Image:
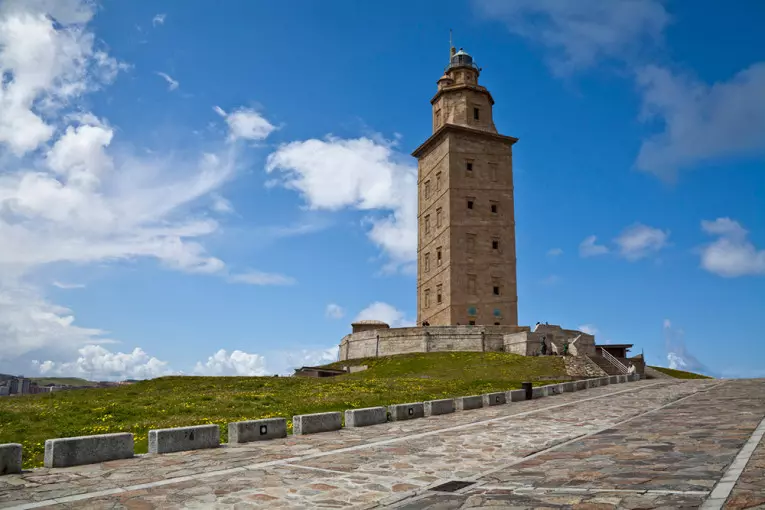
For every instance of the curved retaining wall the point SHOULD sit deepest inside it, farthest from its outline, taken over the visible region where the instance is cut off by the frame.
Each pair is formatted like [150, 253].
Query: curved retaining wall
[391, 341]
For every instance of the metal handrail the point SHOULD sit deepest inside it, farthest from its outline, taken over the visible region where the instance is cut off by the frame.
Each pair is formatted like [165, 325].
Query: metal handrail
[615, 362]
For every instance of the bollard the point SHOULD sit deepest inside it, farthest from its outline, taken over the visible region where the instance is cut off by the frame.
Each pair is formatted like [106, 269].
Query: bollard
[527, 388]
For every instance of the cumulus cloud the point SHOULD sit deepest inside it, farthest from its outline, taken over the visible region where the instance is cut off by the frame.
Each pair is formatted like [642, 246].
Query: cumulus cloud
[334, 311]
[589, 329]
[171, 83]
[236, 363]
[589, 248]
[261, 278]
[246, 124]
[581, 33]
[639, 241]
[362, 174]
[158, 19]
[99, 364]
[385, 312]
[731, 254]
[700, 122]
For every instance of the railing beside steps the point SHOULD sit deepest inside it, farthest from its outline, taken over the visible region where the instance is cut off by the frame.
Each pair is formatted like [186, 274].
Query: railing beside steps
[615, 362]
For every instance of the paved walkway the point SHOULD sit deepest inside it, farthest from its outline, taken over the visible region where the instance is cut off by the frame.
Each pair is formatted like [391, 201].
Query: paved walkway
[651, 444]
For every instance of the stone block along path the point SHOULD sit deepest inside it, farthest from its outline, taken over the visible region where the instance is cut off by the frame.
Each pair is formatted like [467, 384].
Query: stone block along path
[650, 444]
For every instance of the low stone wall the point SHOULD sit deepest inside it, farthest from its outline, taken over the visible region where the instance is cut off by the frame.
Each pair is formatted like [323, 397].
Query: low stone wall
[317, 422]
[208, 436]
[76, 451]
[392, 341]
[365, 417]
[10, 458]
[184, 438]
[256, 430]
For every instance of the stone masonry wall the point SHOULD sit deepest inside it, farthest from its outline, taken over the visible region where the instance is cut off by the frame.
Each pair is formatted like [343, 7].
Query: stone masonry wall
[388, 342]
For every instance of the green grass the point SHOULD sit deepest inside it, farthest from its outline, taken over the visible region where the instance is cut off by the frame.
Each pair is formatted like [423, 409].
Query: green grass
[181, 401]
[681, 374]
[69, 381]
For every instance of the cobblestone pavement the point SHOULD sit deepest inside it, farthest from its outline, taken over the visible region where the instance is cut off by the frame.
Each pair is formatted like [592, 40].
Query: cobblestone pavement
[749, 491]
[593, 449]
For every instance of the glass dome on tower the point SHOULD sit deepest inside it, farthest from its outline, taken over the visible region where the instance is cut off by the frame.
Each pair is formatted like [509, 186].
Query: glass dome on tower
[461, 59]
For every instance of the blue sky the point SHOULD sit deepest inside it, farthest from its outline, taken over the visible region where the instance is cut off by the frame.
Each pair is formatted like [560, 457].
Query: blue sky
[222, 188]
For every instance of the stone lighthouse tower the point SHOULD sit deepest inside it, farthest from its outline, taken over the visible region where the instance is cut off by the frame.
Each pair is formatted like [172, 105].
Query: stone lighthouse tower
[466, 243]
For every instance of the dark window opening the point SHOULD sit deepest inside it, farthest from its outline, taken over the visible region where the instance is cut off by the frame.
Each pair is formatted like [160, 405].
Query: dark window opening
[471, 323]
[494, 208]
[496, 323]
[469, 166]
[476, 113]
[470, 204]
[496, 290]
[495, 245]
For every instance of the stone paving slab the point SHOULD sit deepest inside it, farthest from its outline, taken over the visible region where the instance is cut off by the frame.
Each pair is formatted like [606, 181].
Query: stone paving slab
[396, 463]
[684, 447]
[749, 490]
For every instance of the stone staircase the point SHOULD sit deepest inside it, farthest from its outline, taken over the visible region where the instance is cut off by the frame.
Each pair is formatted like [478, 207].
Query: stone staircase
[605, 365]
[582, 366]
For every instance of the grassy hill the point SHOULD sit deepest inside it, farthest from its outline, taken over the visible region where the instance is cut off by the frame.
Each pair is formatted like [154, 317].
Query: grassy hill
[69, 381]
[681, 374]
[181, 401]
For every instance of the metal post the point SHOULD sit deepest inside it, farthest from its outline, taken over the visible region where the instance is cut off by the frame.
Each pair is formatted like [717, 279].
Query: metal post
[529, 391]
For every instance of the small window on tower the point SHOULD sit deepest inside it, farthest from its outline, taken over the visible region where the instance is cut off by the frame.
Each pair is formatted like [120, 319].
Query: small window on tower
[427, 189]
[471, 323]
[494, 207]
[427, 262]
[427, 224]
[439, 288]
[476, 114]
[470, 203]
[439, 215]
[438, 181]
[495, 244]
[495, 286]
[469, 168]
[438, 256]
[496, 290]
[427, 298]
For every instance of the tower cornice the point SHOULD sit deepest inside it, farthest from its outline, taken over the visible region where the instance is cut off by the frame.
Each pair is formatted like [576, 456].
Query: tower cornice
[463, 86]
[448, 128]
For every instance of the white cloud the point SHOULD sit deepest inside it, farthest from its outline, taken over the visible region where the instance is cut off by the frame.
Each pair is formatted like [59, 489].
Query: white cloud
[640, 241]
[62, 285]
[261, 278]
[700, 122]
[389, 314]
[221, 205]
[678, 355]
[66, 195]
[589, 329]
[246, 124]
[363, 174]
[99, 364]
[44, 67]
[555, 252]
[171, 83]
[731, 254]
[158, 19]
[236, 363]
[334, 311]
[588, 247]
[583, 32]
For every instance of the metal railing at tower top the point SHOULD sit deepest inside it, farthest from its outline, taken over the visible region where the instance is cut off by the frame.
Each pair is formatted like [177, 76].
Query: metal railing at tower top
[452, 65]
[615, 362]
